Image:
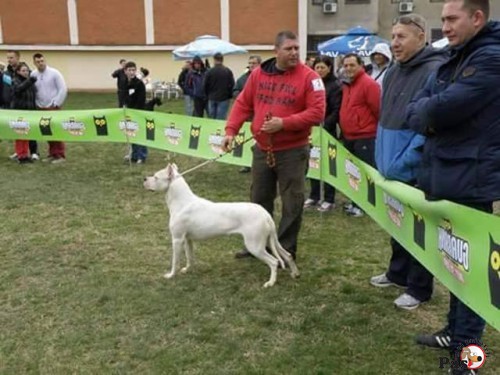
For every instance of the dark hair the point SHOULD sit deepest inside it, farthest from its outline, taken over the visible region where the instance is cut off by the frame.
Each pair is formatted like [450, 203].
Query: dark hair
[144, 71]
[20, 65]
[473, 5]
[218, 57]
[122, 61]
[14, 52]
[327, 60]
[37, 55]
[130, 64]
[358, 58]
[284, 35]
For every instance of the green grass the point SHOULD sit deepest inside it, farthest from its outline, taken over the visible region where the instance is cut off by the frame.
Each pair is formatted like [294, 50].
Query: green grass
[84, 248]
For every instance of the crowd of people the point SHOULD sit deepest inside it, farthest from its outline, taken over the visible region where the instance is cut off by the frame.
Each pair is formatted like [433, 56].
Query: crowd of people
[421, 116]
[41, 89]
[424, 117]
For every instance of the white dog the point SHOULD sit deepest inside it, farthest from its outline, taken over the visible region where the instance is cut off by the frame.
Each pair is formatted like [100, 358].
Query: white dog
[195, 218]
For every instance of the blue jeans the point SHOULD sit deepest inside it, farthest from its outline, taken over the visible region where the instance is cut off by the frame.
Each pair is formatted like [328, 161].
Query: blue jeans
[188, 105]
[218, 110]
[139, 152]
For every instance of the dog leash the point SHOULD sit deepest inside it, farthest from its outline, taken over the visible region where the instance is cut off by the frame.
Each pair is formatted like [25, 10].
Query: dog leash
[215, 158]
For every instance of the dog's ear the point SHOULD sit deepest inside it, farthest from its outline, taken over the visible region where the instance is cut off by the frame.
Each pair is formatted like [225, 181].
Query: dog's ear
[170, 171]
[174, 166]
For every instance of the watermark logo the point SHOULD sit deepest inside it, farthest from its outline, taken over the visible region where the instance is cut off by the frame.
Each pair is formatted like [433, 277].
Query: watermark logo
[471, 355]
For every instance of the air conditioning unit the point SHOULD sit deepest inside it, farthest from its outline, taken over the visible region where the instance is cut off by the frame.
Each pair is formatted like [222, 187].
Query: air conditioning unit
[405, 7]
[329, 8]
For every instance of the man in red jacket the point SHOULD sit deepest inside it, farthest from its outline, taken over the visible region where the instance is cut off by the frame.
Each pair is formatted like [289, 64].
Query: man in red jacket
[359, 114]
[286, 99]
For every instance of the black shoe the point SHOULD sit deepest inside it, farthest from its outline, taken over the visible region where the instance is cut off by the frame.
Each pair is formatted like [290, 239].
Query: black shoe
[243, 254]
[24, 161]
[438, 340]
[245, 170]
[464, 371]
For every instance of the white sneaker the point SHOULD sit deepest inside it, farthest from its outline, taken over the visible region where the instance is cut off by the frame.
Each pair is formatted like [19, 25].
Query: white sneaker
[382, 281]
[407, 302]
[310, 203]
[355, 212]
[348, 206]
[126, 157]
[325, 207]
[58, 161]
[35, 157]
[13, 156]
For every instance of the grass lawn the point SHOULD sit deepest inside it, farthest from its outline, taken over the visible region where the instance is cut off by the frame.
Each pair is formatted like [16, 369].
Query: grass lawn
[84, 248]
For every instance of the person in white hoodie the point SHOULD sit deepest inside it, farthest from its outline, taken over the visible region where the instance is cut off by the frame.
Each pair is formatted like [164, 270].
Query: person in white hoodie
[380, 57]
[51, 92]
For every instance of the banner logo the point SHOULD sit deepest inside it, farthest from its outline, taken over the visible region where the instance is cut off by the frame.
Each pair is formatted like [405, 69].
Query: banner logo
[129, 127]
[395, 209]
[455, 250]
[172, 134]
[353, 174]
[101, 125]
[332, 159]
[494, 273]
[150, 129]
[194, 137]
[238, 149]
[45, 125]
[419, 230]
[215, 141]
[314, 157]
[73, 127]
[20, 126]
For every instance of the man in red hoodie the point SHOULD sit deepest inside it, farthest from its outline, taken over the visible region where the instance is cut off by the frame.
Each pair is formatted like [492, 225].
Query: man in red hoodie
[286, 99]
[359, 114]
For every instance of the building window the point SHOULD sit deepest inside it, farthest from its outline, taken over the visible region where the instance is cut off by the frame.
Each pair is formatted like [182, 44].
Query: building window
[317, 2]
[314, 40]
[357, 1]
[436, 34]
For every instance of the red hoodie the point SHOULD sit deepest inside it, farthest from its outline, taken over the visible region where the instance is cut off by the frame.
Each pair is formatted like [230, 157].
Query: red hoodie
[360, 107]
[296, 95]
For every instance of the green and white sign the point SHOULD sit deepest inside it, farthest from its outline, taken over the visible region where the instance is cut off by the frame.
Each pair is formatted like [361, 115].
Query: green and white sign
[459, 245]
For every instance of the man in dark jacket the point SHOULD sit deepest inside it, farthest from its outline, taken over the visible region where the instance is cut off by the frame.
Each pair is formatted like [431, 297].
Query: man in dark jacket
[253, 62]
[135, 99]
[458, 112]
[121, 83]
[397, 148]
[182, 82]
[194, 83]
[218, 88]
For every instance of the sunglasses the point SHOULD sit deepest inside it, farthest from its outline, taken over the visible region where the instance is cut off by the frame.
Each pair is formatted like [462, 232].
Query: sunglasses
[407, 20]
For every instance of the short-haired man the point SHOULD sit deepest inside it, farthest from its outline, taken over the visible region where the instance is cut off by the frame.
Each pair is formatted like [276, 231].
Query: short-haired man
[135, 99]
[397, 148]
[253, 62]
[218, 87]
[457, 111]
[51, 93]
[286, 99]
[121, 82]
[359, 114]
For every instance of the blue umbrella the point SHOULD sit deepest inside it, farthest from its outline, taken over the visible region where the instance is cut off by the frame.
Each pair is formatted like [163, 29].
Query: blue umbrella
[357, 40]
[206, 46]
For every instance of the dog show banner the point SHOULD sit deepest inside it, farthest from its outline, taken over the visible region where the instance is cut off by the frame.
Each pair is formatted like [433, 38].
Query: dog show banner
[459, 245]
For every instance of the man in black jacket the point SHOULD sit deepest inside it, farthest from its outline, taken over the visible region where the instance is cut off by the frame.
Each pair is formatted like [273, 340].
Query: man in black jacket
[218, 88]
[121, 83]
[135, 99]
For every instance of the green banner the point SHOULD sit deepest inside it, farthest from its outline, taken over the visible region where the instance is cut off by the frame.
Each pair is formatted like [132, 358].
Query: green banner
[459, 245]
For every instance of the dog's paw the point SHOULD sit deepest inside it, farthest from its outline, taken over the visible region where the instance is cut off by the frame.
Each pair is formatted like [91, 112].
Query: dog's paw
[169, 275]
[295, 275]
[268, 284]
[184, 269]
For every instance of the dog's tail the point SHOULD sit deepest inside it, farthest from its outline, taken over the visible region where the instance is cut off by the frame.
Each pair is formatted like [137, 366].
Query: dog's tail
[275, 245]
[283, 256]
